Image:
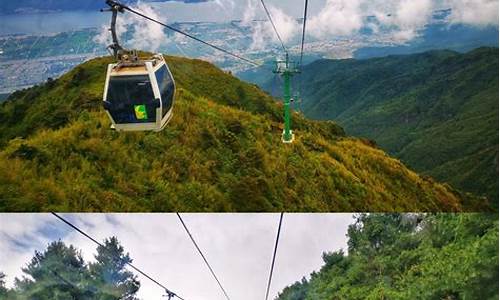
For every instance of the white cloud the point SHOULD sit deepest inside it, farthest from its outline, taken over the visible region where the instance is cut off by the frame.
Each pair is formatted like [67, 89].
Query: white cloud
[400, 18]
[258, 28]
[286, 25]
[474, 12]
[338, 17]
[263, 32]
[398, 21]
[406, 17]
[238, 246]
[227, 6]
[19, 239]
[147, 35]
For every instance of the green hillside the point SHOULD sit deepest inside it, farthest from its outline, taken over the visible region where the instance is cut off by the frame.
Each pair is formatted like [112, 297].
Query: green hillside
[397, 256]
[436, 111]
[221, 152]
[3, 97]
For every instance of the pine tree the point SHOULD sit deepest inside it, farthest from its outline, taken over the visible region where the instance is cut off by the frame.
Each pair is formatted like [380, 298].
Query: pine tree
[109, 274]
[3, 289]
[56, 274]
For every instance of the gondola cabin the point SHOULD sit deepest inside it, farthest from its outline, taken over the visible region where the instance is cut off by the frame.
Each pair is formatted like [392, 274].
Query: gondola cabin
[139, 96]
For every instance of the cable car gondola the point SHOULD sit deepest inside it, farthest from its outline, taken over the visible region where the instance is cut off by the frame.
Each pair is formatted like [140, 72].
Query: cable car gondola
[138, 93]
[139, 96]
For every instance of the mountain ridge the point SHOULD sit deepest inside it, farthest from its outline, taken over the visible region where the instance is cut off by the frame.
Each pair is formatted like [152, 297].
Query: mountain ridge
[437, 111]
[222, 151]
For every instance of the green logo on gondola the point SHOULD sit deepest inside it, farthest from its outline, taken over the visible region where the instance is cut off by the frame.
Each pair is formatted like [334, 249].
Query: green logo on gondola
[140, 112]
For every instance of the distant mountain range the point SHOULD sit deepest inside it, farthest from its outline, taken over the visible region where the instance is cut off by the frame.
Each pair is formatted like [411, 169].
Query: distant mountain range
[438, 35]
[437, 111]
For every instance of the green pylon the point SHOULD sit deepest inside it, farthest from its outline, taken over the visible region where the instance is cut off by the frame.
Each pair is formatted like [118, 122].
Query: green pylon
[287, 69]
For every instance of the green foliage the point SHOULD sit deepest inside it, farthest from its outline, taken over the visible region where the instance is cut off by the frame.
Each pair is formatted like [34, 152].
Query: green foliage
[60, 273]
[297, 291]
[409, 256]
[222, 151]
[111, 279]
[57, 273]
[436, 111]
[3, 289]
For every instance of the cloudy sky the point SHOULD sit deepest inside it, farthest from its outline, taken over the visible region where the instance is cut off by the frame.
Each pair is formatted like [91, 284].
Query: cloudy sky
[239, 247]
[346, 12]
[400, 19]
[337, 17]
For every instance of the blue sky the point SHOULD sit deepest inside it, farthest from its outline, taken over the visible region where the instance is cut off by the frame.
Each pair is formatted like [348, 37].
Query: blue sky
[239, 247]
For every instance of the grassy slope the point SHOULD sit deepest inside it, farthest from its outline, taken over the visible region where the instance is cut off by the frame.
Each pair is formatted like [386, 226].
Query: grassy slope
[436, 111]
[221, 152]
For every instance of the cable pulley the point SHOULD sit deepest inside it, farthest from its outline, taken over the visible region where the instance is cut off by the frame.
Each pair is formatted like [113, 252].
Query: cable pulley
[119, 53]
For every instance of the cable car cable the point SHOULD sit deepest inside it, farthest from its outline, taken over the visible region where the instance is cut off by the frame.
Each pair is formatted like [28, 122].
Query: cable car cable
[203, 256]
[64, 280]
[129, 264]
[274, 26]
[303, 32]
[112, 2]
[274, 257]
[74, 286]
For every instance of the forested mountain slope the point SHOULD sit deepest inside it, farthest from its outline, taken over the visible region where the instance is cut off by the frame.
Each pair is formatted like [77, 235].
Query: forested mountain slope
[437, 111]
[222, 151]
[398, 256]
